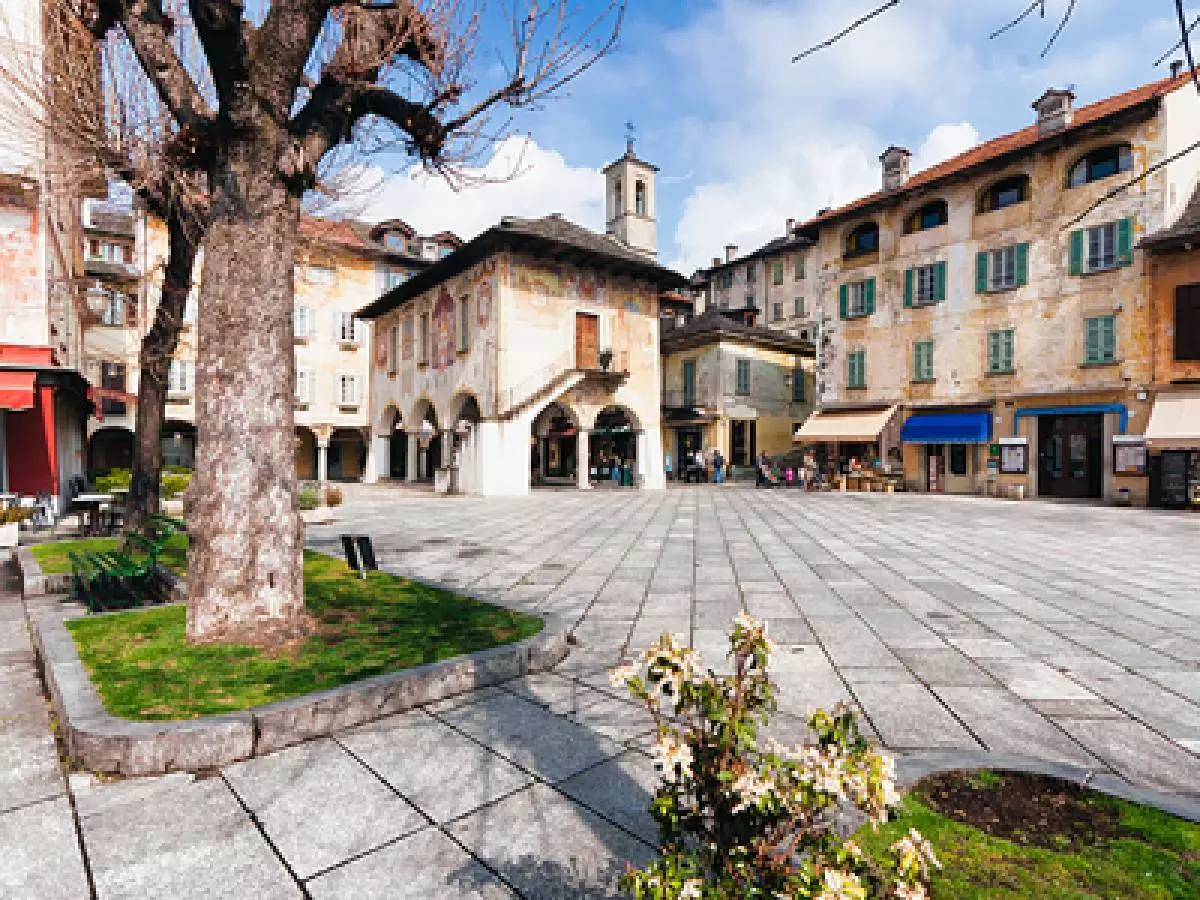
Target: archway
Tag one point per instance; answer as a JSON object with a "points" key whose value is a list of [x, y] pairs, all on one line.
{"points": [[612, 454], [347, 455], [397, 466], [429, 457], [306, 454], [179, 444], [554, 443], [110, 448]]}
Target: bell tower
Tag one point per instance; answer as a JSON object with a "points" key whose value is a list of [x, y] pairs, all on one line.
{"points": [[629, 200]]}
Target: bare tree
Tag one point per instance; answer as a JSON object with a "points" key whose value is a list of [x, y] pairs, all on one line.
{"points": [[245, 120]]}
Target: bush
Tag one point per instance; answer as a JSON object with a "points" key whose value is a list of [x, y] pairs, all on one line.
{"points": [[308, 497], [15, 514], [113, 478], [174, 484], [737, 821], [177, 470], [333, 496]]}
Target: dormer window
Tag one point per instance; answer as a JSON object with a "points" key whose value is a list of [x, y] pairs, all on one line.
{"points": [[394, 242], [931, 215], [863, 239], [1101, 164], [1005, 193]]}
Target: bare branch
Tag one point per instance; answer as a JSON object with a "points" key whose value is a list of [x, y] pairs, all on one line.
{"points": [[221, 31], [1059, 30], [148, 28], [1178, 43], [845, 31], [1036, 4], [1186, 40]]}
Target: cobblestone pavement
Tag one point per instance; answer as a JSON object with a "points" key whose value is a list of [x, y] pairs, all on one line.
{"points": [[961, 627]]}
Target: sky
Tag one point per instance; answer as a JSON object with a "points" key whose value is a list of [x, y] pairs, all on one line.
{"points": [[745, 139]]}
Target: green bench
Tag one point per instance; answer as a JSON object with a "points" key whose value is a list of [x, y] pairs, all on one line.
{"points": [[123, 578]]}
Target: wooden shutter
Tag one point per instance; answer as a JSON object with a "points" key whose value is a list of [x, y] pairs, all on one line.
{"points": [[908, 287], [1076, 259], [1187, 322], [1006, 351], [869, 297], [1092, 341], [981, 272], [844, 300], [1125, 242], [1108, 338], [1021, 255], [939, 281]]}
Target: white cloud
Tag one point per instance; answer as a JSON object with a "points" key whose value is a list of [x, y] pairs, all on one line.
{"points": [[944, 142], [545, 184]]}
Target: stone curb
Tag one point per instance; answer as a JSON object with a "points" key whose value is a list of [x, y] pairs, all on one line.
{"points": [[33, 582], [100, 742], [912, 767]]}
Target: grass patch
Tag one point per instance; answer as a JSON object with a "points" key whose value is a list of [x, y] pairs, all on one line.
{"points": [[54, 558], [1006, 835], [143, 667]]}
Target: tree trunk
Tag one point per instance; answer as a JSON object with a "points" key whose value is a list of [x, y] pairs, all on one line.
{"points": [[157, 347], [245, 563]]}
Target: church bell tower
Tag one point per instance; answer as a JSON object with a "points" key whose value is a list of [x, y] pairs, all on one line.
{"points": [[629, 201]]}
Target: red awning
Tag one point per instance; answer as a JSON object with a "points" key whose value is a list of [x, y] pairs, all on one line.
{"points": [[16, 390]]}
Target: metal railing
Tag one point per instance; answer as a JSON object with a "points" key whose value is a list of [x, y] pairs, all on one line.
{"points": [[524, 391]]}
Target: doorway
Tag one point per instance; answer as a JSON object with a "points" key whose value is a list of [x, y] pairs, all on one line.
{"points": [[935, 468], [743, 441], [587, 341], [1070, 456]]}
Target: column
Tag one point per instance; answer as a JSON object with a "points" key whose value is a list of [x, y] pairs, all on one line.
{"points": [[412, 460], [376, 456], [322, 459], [581, 460], [448, 438]]}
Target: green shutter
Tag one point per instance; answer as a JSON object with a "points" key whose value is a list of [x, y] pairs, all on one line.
{"points": [[1108, 338], [844, 300], [1006, 347], [862, 368], [1076, 261], [939, 282], [981, 269], [993, 351], [908, 287], [869, 298], [1092, 341], [1125, 242], [1021, 255]]}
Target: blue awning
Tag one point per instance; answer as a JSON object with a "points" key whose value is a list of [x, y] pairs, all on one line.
{"points": [[948, 428]]}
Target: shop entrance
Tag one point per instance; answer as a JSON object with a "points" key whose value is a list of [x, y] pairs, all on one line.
{"points": [[935, 469], [743, 444], [1069, 456]]}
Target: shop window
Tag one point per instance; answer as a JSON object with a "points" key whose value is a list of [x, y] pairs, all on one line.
{"points": [[1187, 323], [1004, 193], [1102, 163], [958, 460]]}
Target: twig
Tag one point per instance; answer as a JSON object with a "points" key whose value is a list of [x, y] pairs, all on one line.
{"points": [[1019, 19], [1178, 43], [845, 31], [1187, 43], [1135, 180], [1059, 30]]}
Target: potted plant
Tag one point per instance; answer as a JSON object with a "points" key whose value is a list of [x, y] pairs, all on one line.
{"points": [[10, 523], [606, 357]]}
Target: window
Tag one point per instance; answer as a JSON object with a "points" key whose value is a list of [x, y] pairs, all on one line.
{"points": [[922, 361], [106, 251], [347, 390], [1100, 164], [464, 323], [856, 369], [863, 239], [689, 382], [443, 252], [180, 377], [306, 384], [958, 460], [617, 198], [857, 299], [1100, 339], [931, 215], [1101, 247], [394, 242], [777, 310], [1005, 193], [112, 378], [303, 320], [799, 308], [1002, 269], [750, 302], [797, 387], [924, 285], [393, 349], [639, 198], [114, 310], [777, 272], [1000, 351], [726, 279], [743, 376], [799, 274], [751, 272], [1187, 323], [393, 276], [348, 330], [423, 340]]}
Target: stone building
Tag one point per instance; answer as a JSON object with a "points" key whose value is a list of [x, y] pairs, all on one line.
{"points": [[528, 356], [990, 316], [1172, 451], [728, 385]]}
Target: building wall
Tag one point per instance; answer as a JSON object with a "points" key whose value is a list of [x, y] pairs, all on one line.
{"points": [[24, 313], [1167, 272]]}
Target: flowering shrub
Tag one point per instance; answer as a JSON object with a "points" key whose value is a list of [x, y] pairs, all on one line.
{"points": [[737, 821]]}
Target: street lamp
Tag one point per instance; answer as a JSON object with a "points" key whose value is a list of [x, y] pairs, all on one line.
{"points": [[96, 299]]}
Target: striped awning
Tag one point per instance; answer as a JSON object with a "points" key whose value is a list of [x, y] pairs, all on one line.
{"points": [[844, 427], [1175, 421]]}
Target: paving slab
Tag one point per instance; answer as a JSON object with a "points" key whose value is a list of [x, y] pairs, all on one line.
{"points": [[621, 790], [40, 857], [1138, 754], [909, 716]]}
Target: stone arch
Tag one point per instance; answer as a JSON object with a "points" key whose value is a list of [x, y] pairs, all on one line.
{"points": [[306, 453], [110, 447], [389, 418], [347, 455], [424, 410], [465, 405], [614, 442]]}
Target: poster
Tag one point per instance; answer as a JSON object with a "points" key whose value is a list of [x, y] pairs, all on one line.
{"points": [[1129, 459], [1012, 459]]}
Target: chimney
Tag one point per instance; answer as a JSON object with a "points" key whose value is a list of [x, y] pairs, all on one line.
{"points": [[789, 228], [823, 210], [895, 167], [716, 261], [1054, 111], [1176, 67], [730, 252]]}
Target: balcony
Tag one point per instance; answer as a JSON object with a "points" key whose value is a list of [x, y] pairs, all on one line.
{"points": [[609, 371]]}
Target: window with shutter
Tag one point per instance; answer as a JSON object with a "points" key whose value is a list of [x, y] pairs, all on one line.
{"points": [[799, 268], [777, 272], [797, 385], [1100, 339], [1002, 269], [1187, 323], [1000, 351], [857, 365], [799, 307], [925, 285], [464, 323], [743, 376], [689, 382], [923, 361], [777, 310], [1101, 247]]}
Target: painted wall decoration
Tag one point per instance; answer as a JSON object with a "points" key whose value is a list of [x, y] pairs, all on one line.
{"points": [[381, 347], [442, 327]]}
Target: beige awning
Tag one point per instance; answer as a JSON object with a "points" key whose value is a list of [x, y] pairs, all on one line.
{"points": [[844, 427], [1174, 421]]}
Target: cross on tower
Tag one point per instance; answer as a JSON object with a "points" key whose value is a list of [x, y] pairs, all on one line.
{"points": [[630, 132]]}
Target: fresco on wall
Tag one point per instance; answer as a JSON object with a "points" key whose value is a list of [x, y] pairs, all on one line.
{"points": [[483, 302], [407, 339], [381, 347], [442, 327]]}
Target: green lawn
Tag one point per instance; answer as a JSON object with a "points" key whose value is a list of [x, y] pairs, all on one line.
{"points": [[144, 668], [54, 560], [1143, 854]]}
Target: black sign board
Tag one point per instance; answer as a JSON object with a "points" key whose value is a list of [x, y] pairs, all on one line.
{"points": [[1174, 476], [366, 553], [351, 551]]}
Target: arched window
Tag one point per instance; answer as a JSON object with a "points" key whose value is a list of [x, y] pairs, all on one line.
{"points": [[931, 215], [863, 239], [618, 206], [1101, 164], [639, 198], [1005, 193]]}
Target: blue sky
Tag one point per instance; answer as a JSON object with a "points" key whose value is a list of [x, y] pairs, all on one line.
{"points": [[745, 139]]}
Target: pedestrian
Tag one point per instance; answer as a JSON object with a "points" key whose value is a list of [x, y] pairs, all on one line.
{"points": [[667, 465], [616, 470], [718, 467]]}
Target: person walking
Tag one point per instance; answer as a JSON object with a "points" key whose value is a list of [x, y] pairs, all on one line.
{"points": [[718, 467]]}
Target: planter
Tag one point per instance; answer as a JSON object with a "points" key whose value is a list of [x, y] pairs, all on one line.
{"points": [[1016, 492], [1123, 498], [9, 534]]}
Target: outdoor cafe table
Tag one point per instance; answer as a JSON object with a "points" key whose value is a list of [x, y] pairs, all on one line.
{"points": [[92, 503]]}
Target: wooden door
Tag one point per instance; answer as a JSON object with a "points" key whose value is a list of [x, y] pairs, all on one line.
{"points": [[587, 341]]}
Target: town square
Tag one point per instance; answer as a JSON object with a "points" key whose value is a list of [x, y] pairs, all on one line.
{"points": [[728, 450]]}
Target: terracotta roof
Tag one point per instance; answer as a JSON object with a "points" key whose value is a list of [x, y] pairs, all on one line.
{"points": [[1010, 143], [1185, 230], [713, 323], [333, 231]]}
